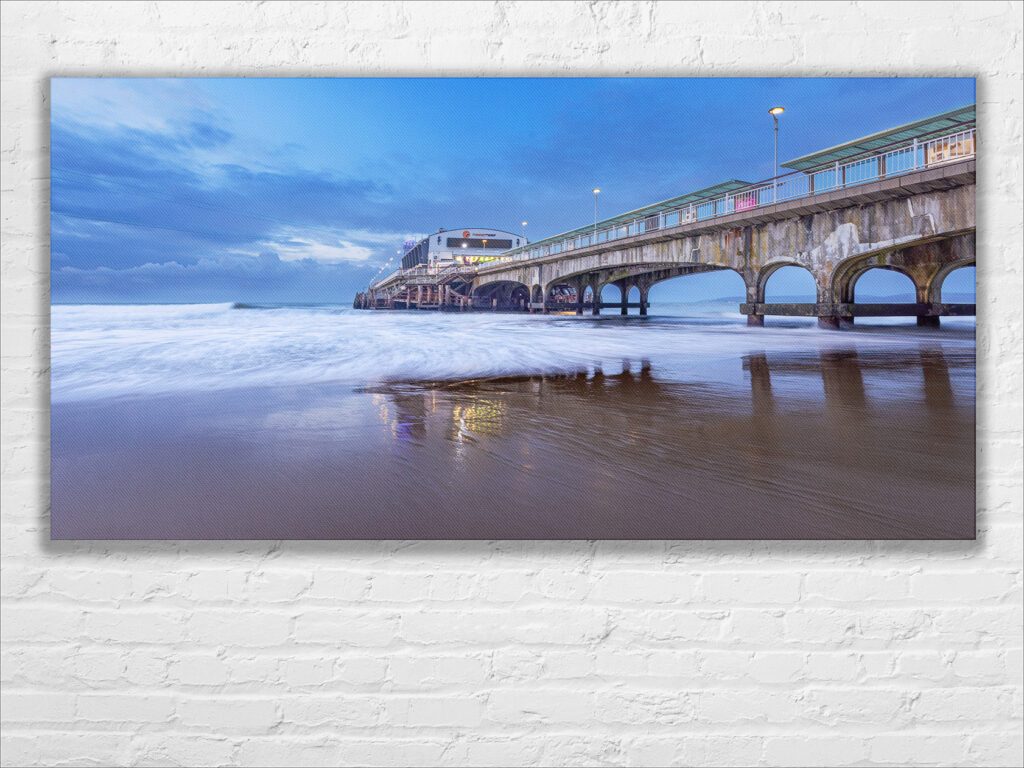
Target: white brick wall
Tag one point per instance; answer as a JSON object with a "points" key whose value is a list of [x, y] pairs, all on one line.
{"points": [[510, 653]]}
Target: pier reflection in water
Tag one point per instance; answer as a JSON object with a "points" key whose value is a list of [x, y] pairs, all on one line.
{"points": [[851, 443], [885, 450]]}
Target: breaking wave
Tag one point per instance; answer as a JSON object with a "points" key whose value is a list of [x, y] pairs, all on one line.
{"points": [[117, 350]]}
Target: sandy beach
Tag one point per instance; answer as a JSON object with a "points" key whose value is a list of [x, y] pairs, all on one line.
{"points": [[868, 442]]}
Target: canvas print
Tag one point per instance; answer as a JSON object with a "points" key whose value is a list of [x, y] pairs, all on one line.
{"points": [[513, 308]]}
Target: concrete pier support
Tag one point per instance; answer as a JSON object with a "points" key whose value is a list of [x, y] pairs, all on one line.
{"points": [[835, 322], [829, 322]]}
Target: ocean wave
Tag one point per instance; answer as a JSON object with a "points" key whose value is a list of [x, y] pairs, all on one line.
{"points": [[107, 351]]}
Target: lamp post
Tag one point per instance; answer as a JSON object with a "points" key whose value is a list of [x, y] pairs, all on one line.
{"points": [[775, 112], [596, 192], [524, 233]]}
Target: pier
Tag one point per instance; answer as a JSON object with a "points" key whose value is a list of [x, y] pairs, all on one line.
{"points": [[902, 200]]}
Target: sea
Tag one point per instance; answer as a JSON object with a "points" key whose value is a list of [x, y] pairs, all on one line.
{"points": [[276, 421]]}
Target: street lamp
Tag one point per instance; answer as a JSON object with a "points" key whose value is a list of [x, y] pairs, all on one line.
{"points": [[596, 192], [775, 112], [524, 232]]}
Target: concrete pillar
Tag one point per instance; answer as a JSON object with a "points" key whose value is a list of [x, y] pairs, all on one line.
{"points": [[829, 322], [597, 302], [643, 300], [419, 296]]}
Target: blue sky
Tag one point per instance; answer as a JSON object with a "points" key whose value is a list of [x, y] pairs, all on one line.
{"points": [[282, 189]]}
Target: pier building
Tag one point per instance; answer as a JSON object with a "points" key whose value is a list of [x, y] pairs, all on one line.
{"points": [[465, 246]]}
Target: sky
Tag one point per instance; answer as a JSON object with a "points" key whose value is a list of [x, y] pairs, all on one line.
{"points": [[300, 189]]}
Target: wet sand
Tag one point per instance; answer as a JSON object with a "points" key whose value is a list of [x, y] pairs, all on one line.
{"points": [[806, 446]]}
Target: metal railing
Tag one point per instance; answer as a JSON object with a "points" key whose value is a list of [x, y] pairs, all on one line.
{"points": [[909, 157], [425, 270]]}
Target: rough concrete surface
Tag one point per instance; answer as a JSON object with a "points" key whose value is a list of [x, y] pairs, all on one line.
{"points": [[544, 653]]}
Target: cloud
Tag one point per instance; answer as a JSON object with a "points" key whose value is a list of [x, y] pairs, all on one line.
{"points": [[297, 248], [151, 105]]}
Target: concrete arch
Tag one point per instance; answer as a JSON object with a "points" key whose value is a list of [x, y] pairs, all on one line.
{"points": [[562, 293], [618, 294], [935, 289], [501, 294], [519, 297], [761, 280], [850, 288], [662, 274], [840, 282], [646, 281]]}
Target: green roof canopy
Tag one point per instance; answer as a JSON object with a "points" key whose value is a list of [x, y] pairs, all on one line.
{"points": [[648, 210], [944, 123]]}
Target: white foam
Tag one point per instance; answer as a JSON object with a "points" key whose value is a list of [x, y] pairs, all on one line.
{"points": [[104, 351]]}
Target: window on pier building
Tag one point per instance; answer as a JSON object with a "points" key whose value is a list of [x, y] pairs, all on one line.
{"points": [[467, 242]]}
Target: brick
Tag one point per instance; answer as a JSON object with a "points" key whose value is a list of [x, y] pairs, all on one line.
{"points": [[121, 708], [67, 748], [228, 713], [346, 628], [433, 671], [336, 709], [293, 751], [32, 707], [910, 748], [752, 588], [815, 751], [633, 586], [962, 586], [453, 711], [532, 705], [238, 628], [39, 623], [181, 749], [122, 626], [199, 669]]}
